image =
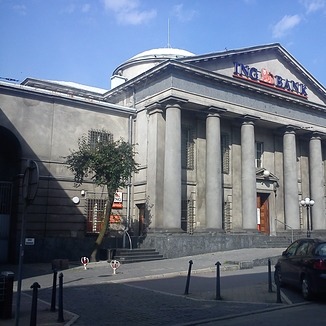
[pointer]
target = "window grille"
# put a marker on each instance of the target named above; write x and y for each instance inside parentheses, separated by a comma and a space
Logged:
(225, 147)
(95, 212)
(227, 224)
(187, 147)
(98, 136)
(188, 215)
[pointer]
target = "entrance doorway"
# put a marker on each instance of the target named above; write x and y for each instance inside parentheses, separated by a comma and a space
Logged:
(263, 213)
(5, 208)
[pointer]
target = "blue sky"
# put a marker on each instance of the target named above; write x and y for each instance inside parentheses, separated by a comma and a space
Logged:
(83, 41)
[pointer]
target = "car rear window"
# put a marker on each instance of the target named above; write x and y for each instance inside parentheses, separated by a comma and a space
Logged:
(321, 249)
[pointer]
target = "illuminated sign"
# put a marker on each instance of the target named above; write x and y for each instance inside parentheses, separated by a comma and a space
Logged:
(268, 79)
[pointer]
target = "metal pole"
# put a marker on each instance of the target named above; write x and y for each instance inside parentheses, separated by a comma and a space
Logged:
(308, 221)
(269, 276)
(218, 285)
(60, 310)
(21, 261)
(278, 290)
(188, 277)
(35, 287)
(54, 289)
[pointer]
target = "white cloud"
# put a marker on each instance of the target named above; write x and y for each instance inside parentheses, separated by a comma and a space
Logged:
(127, 11)
(21, 9)
(183, 15)
(285, 25)
(313, 5)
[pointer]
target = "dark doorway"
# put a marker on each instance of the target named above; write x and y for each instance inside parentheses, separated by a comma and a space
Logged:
(10, 160)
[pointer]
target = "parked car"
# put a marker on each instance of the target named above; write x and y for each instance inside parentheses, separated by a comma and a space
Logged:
(303, 265)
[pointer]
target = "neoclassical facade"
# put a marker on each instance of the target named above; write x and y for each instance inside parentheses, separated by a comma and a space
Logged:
(228, 144)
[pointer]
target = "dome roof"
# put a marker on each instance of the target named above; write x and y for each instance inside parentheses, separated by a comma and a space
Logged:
(143, 62)
(167, 53)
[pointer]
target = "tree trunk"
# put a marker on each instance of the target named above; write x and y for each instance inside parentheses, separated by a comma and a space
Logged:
(105, 225)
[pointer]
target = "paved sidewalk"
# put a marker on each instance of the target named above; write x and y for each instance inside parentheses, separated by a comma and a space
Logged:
(165, 276)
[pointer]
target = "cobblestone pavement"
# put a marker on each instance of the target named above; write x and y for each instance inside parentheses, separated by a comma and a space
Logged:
(96, 297)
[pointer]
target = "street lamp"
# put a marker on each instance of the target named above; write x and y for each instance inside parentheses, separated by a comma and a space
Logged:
(307, 202)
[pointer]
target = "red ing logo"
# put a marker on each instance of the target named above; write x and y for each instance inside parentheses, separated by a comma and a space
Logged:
(275, 81)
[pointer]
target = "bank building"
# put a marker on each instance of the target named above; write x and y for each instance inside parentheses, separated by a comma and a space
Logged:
(231, 152)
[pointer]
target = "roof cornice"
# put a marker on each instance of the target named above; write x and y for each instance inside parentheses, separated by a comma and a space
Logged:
(66, 97)
(207, 74)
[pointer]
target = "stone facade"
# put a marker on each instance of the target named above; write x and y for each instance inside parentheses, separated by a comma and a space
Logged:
(228, 142)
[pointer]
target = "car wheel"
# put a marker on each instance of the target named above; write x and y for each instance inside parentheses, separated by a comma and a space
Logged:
(278, 277)
(306, 289)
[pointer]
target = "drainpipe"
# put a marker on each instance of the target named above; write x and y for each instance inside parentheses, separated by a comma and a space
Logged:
(129, 184)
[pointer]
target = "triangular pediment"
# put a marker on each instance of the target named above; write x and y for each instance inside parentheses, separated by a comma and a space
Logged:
(264, 174)
(270, 67)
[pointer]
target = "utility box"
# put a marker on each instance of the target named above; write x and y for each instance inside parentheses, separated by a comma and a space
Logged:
(6, 294)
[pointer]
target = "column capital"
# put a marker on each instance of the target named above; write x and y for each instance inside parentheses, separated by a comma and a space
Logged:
(214, 111)
(155, 107)
(316, 135)
(289, 129)
(249, 119)
(172, 100)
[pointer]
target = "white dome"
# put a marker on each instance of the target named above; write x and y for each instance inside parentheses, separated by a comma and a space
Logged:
(167, 53)
(143, 62)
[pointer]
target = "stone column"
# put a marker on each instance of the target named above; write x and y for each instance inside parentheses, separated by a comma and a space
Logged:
(291, 197)
(213, 171)
(248, 176)
(172, 168)
(155, 166)
(316, 183)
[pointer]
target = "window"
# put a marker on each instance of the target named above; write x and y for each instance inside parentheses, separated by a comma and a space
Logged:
(291, 250)
(187, 147)
(225, 148)
(188, 215)
(95, 212)
(259, 154)
(98, 136)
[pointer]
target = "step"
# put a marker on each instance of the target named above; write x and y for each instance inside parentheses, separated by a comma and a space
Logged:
(126, 260)
(136, 255)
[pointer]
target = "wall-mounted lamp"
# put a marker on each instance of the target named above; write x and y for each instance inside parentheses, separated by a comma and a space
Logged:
(83, 192)
(75, 200)
(266, 173)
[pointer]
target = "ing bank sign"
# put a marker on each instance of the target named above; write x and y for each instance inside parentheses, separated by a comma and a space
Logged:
(267, 78)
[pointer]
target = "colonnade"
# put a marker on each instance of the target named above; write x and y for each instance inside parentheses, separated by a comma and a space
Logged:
(167, 176)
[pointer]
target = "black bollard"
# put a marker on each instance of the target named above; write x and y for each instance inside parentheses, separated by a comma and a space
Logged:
(269, 276)
(218, 286)
(35, 287)
(188, 277)
(54, 289)
(60, 305)
(278, 290)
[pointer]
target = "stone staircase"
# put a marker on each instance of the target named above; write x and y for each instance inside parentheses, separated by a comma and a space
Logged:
(125, 256)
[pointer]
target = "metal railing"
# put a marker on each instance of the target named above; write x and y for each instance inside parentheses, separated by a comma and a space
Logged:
(286, 225)
(129, 238)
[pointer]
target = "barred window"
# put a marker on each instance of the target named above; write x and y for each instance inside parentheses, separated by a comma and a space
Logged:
(225, 147)
(95, 212)
(187, 147)
(188, 215)
(98, 136)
